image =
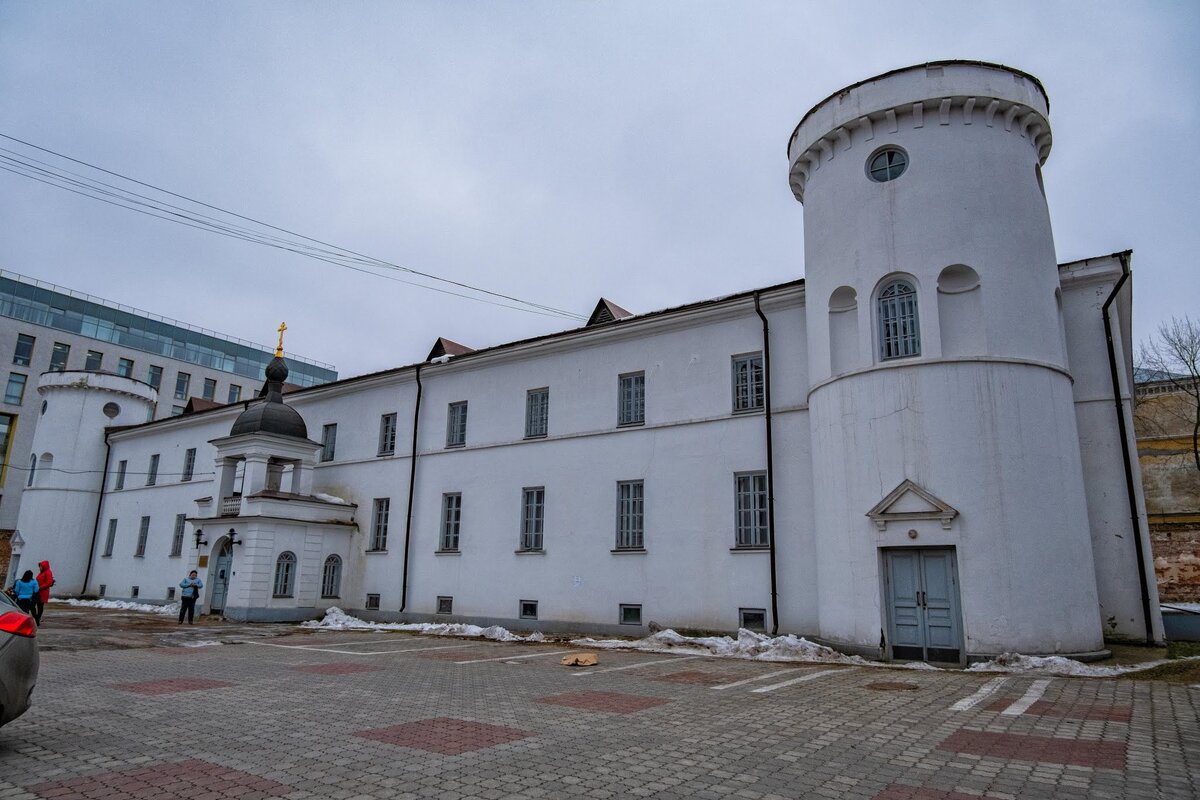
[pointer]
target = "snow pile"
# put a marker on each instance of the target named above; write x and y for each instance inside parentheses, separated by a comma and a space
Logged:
(338, 620)
(329, 498)
(1046, 665)
(748, 645)
(121, 605)
(200, 643)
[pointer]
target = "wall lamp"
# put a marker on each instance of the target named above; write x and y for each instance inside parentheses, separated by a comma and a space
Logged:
(199, 540)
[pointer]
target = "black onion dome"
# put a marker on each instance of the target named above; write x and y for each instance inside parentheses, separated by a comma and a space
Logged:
(272, 415)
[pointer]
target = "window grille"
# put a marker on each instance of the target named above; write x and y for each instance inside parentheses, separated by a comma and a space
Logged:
(899, 332)
(379, 523)
(445, 604)
(632, 391)
(328, 442)
(451, 520)
(529, 609)
(537, 413)
(177, 535)
(748, 382)
(331, 577)
(533, 517)
(110, 539)
(143, 534)
(752, 510)
(630, 518)
(152, 473)
(387, 434)
(189, 464)
(456, 424)
(285, 569)
(372, 603)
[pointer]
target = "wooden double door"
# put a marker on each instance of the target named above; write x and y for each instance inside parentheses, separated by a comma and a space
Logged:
(924, 618)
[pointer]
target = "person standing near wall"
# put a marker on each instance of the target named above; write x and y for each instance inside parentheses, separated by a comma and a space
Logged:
(45, 579)
(191, 586)
(26, 590)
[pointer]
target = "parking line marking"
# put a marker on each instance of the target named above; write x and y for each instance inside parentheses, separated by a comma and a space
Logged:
(1031, 696)
(512, 658)
(639, 664)
(355, 644)
(752, 680)
(984, 692)
(810, 676)
(357, 653)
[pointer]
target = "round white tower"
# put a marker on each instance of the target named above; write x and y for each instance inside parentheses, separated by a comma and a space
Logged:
(66, 469)
(949, 501)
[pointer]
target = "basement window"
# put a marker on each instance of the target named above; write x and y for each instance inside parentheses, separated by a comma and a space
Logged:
(529, 609)
(631, 615)
(445, 604)
(372, 602)
(753, 619)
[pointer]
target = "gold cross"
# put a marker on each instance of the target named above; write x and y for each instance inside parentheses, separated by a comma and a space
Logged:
(279, 347)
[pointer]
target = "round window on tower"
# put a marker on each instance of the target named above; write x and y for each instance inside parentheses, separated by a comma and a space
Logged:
(887, 164)
(111, 410)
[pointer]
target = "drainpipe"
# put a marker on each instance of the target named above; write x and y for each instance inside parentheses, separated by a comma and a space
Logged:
(87, 573)
(412, 482)
(1130, 488)
(766, 333)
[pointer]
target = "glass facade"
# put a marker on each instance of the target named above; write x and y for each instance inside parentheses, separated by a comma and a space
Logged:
(63, 310)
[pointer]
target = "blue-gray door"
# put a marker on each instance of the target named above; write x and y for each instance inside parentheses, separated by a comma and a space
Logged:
(922, 594)
(220, 579)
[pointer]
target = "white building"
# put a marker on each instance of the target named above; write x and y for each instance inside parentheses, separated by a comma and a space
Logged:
(921, 451)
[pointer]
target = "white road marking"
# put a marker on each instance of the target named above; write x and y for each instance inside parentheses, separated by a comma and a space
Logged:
(810, 676)
(1031, 696)
(752, 680)
(513, 658)
(985, 691)
(357, 653)
(634, 666)
(355, 644)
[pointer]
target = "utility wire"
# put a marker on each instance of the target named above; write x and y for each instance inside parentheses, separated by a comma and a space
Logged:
(328, 252)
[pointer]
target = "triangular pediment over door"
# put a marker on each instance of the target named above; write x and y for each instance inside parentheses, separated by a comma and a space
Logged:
(908, 502)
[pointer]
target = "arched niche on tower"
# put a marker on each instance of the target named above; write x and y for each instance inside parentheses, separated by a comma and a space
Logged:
(960, 311)
(843, 329)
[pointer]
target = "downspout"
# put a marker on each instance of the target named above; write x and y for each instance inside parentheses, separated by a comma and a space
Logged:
(87, 573)
(412, 482)
(1130, 488)
(766, 333)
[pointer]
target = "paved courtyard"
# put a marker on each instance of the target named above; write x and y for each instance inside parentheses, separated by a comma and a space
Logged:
(357, 715)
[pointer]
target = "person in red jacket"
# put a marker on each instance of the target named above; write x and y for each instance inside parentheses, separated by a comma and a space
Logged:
(45, 579)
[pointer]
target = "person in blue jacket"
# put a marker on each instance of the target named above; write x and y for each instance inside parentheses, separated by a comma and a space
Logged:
(26, 589)
(191, 586)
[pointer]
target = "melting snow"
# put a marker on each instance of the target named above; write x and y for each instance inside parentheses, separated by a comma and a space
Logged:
(338, 620)
(329, 498)
(747, 645)
(1058, 665)
(121, 605)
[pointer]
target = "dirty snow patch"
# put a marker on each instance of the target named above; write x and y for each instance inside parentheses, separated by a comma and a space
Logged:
(329, 498)
(748, 645)
(200, 643)
(1058, 665)
(337, 620)
(120, 605)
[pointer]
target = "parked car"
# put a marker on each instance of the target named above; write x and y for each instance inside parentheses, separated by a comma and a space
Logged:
(18, 660)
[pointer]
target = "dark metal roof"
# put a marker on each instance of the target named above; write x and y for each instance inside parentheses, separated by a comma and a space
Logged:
(271, 415)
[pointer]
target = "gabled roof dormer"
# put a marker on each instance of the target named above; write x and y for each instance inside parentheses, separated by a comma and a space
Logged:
(606, 311)
(908, 501)
(445, 347)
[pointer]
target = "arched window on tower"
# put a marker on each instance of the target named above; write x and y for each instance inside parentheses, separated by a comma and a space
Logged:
(285, 574)
(331, 577)
(960, 312)
(843, 330)
(899, 325)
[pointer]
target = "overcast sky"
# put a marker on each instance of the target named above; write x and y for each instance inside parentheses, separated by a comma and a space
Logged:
(556, 151)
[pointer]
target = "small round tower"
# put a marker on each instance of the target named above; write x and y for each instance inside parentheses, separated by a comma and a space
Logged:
(949, 502)
(66, 468)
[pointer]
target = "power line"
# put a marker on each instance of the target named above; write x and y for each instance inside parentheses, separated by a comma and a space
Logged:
(57, 176)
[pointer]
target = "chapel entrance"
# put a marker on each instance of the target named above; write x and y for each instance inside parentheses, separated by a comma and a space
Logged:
(923, 604)
(219, 577)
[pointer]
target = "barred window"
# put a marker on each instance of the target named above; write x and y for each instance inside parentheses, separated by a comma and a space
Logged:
(177, 535)
(143, 534)
(630, 518)
(331, 577)
(747, 382)
(387, 434)
(632, 403)
(379, 523)
(285, 574)
(533, 517)
(189, 464)
(451, 520)
(752, 530)
(899, 327)
(537, 412)
(456, 424)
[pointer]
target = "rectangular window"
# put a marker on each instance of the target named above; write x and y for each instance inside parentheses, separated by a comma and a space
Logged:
(528, 609)
(15, 392)
(110, 538)
(143, 534)
(59, 356)
(134, 590)
(451, 519)
(183, 382)
(445, 604)
(189, 464)
(752, 619)
(121, 467)
(387, 434)
(372, 603)
(235, 393)
(177, 535)
(125, 367)
(630, 519)
(8, 424)
(154, 376)
(152, 473)
(632, 407)
(456, 425)
(379, 523)
(630, 614)
(747, 382)
(328, 442)
(533, 517)
(23, 354)
(537, 413)
(102, 589)
(177, 411)
(170, 592)
(752, 510)
(210, 389)
(94, 361)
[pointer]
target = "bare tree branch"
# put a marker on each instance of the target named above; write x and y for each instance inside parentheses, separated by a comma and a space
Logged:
(1173, 356)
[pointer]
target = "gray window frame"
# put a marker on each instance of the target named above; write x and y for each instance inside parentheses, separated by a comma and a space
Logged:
(284, 583)
(23, 351)
(445, 604)
(183, 384)
(387, 434)
(154, 376)
(189, 465)
(451, 528)
(177, 535)
(631, 399)
(60, 354)
(623, 607)
(210, 389)
(143, 537)
(94, 360)
(749, 382)
(456, 424)
(122, 468)
(631, 515)
(110, 540)
(894, 165)
(328, 442)
(751, 523)
(898, 320)
(533, 519)
(537, 413)
(152, 471)
(20, 381)
(331, 577)
(527, 609)
(742, 614)
(125, 367)
(235, 393)
(381, 510)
